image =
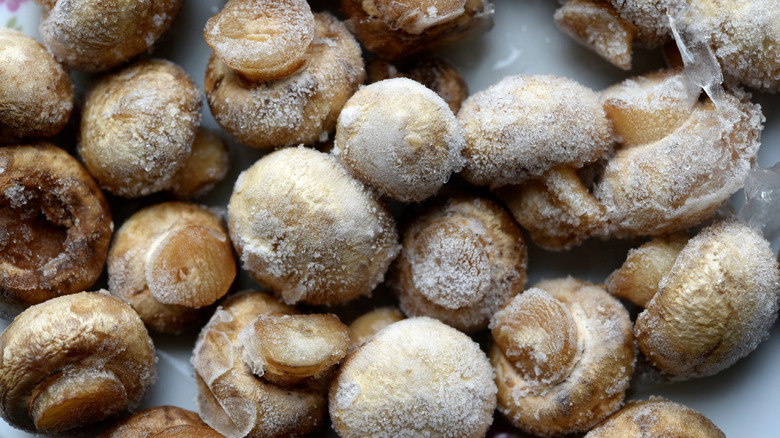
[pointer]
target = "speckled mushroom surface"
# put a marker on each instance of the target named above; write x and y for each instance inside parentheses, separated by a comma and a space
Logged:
(563, 356)
(307, 230)
(231, 397)
(656, 417)
(299, 108)
(56, 226)
(400, 138)
(73, 361)
(415, 377)
(463, 257)
(138, 126)
(171, 261)
(97, 35)
(714, 306)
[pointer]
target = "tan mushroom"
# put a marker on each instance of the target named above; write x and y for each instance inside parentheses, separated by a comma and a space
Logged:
(149, 422)
(400, 138)
(401, 29)
(523, 126)
(73, 361)
(563, 356)
(234, 395)
(96, 35)
(417, 377)
(463, 258)
(308, 231)
(368, 324)
(714, 304)
(56, 225)
(37, 96)
(170, 261)
(206, 166)
(656, 417)
(299, 108)
(138, 127)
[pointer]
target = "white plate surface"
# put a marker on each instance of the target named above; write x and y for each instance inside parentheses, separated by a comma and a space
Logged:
(742, 400)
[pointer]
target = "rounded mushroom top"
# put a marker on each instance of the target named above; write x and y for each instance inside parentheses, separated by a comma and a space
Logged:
(416, 376)
(73, 361)
(523, 126)
(307, 230)
(654, 418)
(147, 423)
(96, 35)
(399, 137)
(463, 258)
(715, 305)
(138, 127)
(37, 96)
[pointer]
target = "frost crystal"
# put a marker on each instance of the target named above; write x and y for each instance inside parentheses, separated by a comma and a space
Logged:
(761, 209)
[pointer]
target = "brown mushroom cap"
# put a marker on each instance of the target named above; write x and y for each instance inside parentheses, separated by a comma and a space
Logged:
(656, 417)
(715, 305)
(57, 222)
(401, 29)
(169, 261)
(231, 398)
(207, 164)
(400, 138)
(72, 361)
(138, 127)
(96, 35)
(37, 96)
(299, 108)
(146, 423)
(263, 40)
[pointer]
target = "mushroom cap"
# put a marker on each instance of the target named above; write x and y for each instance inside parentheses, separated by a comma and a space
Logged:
(415, 377)
(715, 305)
(138, 127)
(523, 126)
(656, 417)
(263, 40)
(231, 398)
(37, 95)
(463, 258)
(684, 158)
(150, 421)
(301, 108)
(57, 222)
(596, 385)
(72, 361)
(96, 35)
(307, 230)
(170, 261)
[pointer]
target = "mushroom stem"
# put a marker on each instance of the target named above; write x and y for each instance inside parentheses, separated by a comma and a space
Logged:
(538, 335)
(73, 399)
(287, 349)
